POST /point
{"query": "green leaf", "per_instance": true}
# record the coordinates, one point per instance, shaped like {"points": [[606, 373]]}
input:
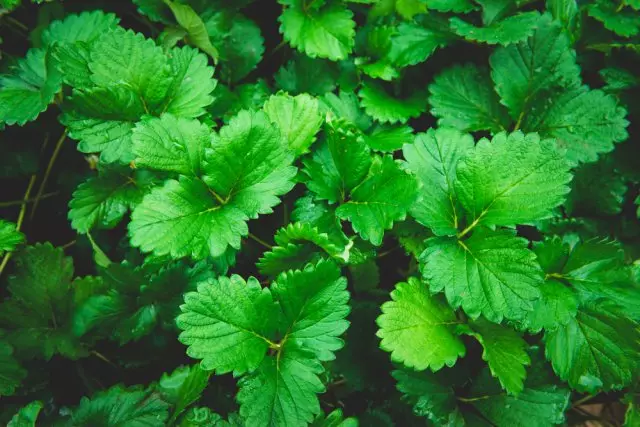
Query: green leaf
{"points": [[389, 109], [196, 31], [568, 14], [597, 189], [456, 6], [10, 238], [119, 406], [314, 306], [227, 323], [326, 32], [497, 187], [103, 200], [557, 306], [507, 31], [492, 273], [413, 43], [462, 97], [340, 165], [304, 74], [623, 22], [335, 419], [84, 27], [245, 169], [412, 322], [345, 106], [239, 41], [506, 353], [585, 122], [282, 391], [11, 373], [433, 158], [383, 197], [596, 350], [540, 404], [29, 88], [388, 139], [38, 314], [183, 387], [524, 72], [493, 10], [321, 215], [298, 118], [171, 144], [26, 416]]}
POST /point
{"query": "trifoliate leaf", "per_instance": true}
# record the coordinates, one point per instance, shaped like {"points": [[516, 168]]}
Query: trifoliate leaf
{"points": [[239, 41], [505, 353], [197, 34], [304, 74], [29, 88], [514, 179], [11, 373], [10, 238], [596, 350], [171, 144], [346, 106], [492, 273], [297, 245], [585, 122], [102, 201], [282, 391], [340, 165], [504, 32], [540, 404], [298, 118], [413, 43], [314, 306], [383, 197], [246, 169], [27, 416], [388, 109], [557, 306], [388, 139], [183, 387], [597, 189], [525, 71], [119, 406], [190, 91], [462, 97], [433, 158], [326, 32], [225, 314], [84, 27], [124, 58], [38, 314], [413, 322], [623, 22]]}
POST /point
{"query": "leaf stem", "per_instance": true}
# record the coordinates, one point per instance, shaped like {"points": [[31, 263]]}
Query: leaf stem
{"points": [[259, 240], [47, 172], [471, 399], [24, 202], [469, 228], [23, 210], [582, 400]]}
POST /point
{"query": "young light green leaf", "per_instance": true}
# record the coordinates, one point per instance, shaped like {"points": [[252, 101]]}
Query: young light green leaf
{"points": [[514, 179], [196, 31], [506, 353], [433, 158], [171, 144], [596, 350], [298, 118], [29, 88], [384, 196], [10, 238], [504, 32], [326, 32], [492, 273], [225, 314], [462, 97], [417, 328]]}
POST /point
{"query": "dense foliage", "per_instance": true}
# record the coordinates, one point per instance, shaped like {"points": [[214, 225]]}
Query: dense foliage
{"points": [[324, 212]]}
